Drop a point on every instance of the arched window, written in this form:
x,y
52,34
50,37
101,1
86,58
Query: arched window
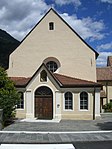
x,y
84,100
51,26
20,105
52,66
43,91
43,76
68,100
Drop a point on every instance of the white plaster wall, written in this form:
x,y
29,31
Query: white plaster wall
x,y
31,88
29,104
97,103
76,58
76,113
58,105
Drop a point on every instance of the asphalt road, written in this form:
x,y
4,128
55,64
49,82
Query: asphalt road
x,y
93,145
77,145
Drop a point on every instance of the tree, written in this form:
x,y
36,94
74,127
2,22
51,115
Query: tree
x,y
9,97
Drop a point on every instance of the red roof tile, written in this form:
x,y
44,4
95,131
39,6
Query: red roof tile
x,y
20,81
65,81
104,74
74,82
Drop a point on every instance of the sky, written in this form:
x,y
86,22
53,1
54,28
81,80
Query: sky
x,y
91,19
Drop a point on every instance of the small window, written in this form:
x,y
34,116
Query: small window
x,y
20,105
43,76
51,26
68,101
52,66
83,101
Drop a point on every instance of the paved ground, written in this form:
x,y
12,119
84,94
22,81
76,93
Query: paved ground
x,y
53,138
63,132
105,123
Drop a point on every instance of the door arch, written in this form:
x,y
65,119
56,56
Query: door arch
x,y
43,103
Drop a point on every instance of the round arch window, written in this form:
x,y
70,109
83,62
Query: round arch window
x,y
52,66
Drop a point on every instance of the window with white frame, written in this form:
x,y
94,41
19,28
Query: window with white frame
x,y
84,101
68,101
20,105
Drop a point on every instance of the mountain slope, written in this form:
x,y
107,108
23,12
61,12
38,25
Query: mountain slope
x,y
7,45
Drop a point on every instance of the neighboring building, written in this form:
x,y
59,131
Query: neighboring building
x,y
104,76
55,71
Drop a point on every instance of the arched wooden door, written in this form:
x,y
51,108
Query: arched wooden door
x,y
44,103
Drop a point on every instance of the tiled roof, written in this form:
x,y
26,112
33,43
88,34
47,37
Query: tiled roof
x,y
109,61
104,74
20,81
67,81
63,81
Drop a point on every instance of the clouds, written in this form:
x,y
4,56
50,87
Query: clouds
x,y
87,28
106,47
105,50
107,1
66,2
18,17
102,59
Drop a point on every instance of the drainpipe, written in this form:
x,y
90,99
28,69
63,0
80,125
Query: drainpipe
x,y
94,104
107,92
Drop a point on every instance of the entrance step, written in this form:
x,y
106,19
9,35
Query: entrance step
x,y
43,121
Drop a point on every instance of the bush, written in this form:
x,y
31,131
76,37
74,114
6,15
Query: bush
x,y
108,107
9,97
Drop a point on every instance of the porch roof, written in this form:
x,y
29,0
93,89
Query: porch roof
x,y
62,80
67,81
20,81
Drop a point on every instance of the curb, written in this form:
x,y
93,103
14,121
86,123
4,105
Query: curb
x,y
56,132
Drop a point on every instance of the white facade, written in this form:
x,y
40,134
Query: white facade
x,y
60,50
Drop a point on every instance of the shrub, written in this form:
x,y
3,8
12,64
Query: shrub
x,y
108,107
9,97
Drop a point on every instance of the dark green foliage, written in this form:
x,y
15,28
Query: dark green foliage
x,y
9,97
7,45
108,107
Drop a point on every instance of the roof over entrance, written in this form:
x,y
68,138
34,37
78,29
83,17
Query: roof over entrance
x,y
62,80
67,81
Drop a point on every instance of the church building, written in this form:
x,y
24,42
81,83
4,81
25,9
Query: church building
x,y
54,69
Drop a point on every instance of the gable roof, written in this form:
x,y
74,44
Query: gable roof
x,y
104,74
23,81
51,9
62,80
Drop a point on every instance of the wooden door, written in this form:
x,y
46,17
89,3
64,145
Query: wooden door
x,y
44,107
